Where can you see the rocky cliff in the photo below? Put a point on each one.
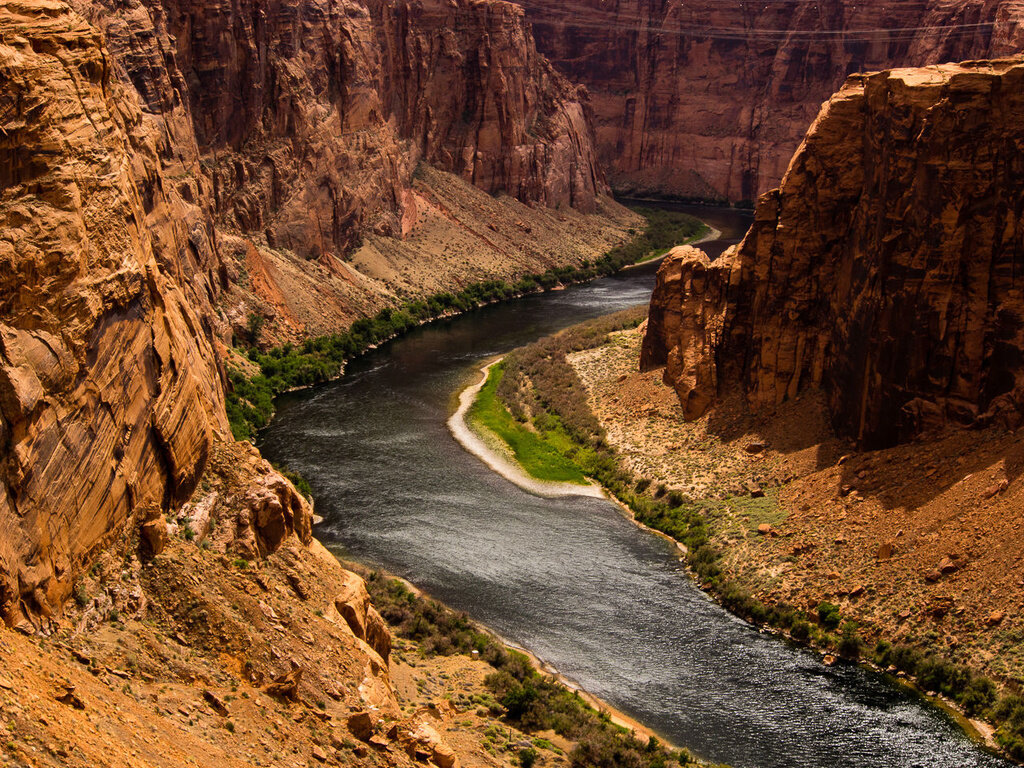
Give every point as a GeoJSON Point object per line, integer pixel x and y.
{"type": "Point", "coordinates": [709, 98]}
{"type": "Point", "coordinates": [110, 390]}
{"type": "Point", "coordinates": [886, 270]}
{"type": "Point", "coordinates": [168, 167]}
{"type": "Point", "coordinates": [309, 118]}
{"type": "Point", "coordinates": [348, 156]}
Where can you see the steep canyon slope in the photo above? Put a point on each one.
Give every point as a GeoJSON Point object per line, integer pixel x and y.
{"type": "Point", "coordinates": [167, 169]}
{"type": "Point", "coordinates": [886, 270]}
{"type": "Point", "coordinates": [709, 98]}
{"type": "Point", "coordinates": [323, 136]}
{"type": "Point", "coordinates": [110, 389]}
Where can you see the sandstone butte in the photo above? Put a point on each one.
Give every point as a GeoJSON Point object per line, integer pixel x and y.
{"type": "Point", "coordinates": [885, 270]}
{"type": "Point", "coordinates": [709, 98]}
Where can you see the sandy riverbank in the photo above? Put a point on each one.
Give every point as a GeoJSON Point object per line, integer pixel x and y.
{"type": "Point", "coordinates": [511, 471]}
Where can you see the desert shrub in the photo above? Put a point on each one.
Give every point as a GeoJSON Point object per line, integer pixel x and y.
{"type": "Point", "coordinates": [850, 644]}
{"type": "Point", "coordinates": [828, 615]}
{"type": "Point", "coordinates": [527, 757]}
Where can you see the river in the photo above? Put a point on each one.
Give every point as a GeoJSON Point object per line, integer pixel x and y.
{"type": "Point", "coordinates": [572, 579]}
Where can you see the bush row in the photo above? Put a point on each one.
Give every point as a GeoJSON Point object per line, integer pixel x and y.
{"type": "Point", "coordinates": [250, 401]}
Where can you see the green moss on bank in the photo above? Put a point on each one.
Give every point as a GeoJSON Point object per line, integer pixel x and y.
{"type": "Point", "coordinates": [250, 400]}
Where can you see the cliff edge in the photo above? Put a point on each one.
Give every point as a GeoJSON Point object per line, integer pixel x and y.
{"type": "Point", "coordinates": [885, 270]}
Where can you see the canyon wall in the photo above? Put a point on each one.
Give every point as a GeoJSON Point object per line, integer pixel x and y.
{"type": "Point", "coordinates": [110, 389]}
{"type": "Point", "coordinates": [709, 98]}
{"type": "Point", "coordinates": [886, 269]}
{"type": "Point", "coordinates": [309, 118]}
{"type": "Point", "coordinates": [168, 167]}
{"type": "Point", "coordinates": [352, 155]}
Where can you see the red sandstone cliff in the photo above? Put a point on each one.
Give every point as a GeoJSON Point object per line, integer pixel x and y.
{"type": "Point", "coordinates": [709, 98]}
{"type": "Point", "coordinates": [886, 270]}
{"type": "Point", "coordinates": [309, 118]}
{"type": "Point", "coordinates": [168, 165]}
{"type": "Point", "coordinates": [110, 390]}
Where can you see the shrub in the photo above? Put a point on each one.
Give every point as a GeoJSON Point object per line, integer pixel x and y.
{"type": "Point", "coordinates": [801, 631]}
{"type": "Point", "coordinates": [850, 643]}
{"type": "Point", "coordinates": [527, 757]}
{"type": "Point", "coordinates": [828, 615]}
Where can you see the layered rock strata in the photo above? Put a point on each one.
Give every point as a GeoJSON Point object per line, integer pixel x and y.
{"type": "Point", "coordinates": [110, 389]}
{"type": "Point", "coordinates": [709, 98]}
{"type": "Point", "coordinates": [168, 167]}
{"type": "Point", "coordinates": [310, 118]}
{"type": "Point", "coordinates": [886, 270]}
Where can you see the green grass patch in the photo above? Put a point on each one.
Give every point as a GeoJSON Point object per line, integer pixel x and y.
{"type": "Point", "coordinates": [538, 453]}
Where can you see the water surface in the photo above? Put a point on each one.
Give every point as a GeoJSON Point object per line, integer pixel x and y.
{"type": "Point", "coordinates": [572, 579]}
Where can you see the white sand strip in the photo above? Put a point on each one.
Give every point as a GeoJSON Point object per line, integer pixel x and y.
{"type": "Point", "coordinates": [507, 469]}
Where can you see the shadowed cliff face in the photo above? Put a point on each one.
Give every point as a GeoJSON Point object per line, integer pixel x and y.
{"type": "Point", "coordinates": [887, 269]}
{"type": "Point", "coordinates": [709, 98]}
{"type": "Point", "coordinates": [110, 390]}
{"type": "Point", "coordinates": [310, 117]}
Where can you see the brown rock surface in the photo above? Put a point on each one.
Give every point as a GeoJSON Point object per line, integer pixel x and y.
{"type": "Point", "coordinates": [886, 269]}
{"type": "Point", "coordinates": [693, 319]}
{"type": "Point", "coordinates": [110, 389]}
{"type": "Point", "coordinates": [709, 98]}
{"type": "Point", "coordinates": [309, 118]}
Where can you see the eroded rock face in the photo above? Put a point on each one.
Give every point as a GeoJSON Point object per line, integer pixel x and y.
{"type": "Point", "coordinates": [310, 117]}
{"type": "Point", "coordinates": [469, 91]}
{"type": "Point", "coordinates": [709, 98]}
{"type": "Point", "coordinates": [685, 325]}
{"type": "Point", "coordinates": [110, 389]}
{"type": "Point", "coordinates": [887, 269]}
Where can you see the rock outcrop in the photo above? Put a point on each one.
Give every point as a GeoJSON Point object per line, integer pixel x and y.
{"type": "Point", "coordinates": [110, 388]}
{"type": "Point", "coordinates": [709, 98]}
{"type": "Point", "coordinates": [694, 323]}
{"type": "Point", "coordinates": [887, 268]}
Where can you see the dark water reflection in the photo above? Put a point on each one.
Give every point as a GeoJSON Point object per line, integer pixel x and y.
{"type": "Point", "coordinates": [572, 579]}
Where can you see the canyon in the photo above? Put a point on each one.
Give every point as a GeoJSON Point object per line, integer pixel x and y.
{"type": "Point", "coordinates": [710, 99]}
{"type": "Point", "coordinates": [161, 168]}
{"type": "Point", "coordinates": [167, 172]}
{"type": "Point", "coordinates": [174, 174]}
{"type": "Point", "coordinates": [348, 156]}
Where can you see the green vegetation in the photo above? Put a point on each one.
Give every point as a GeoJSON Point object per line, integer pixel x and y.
{"type": "Point", "coordinates": [250, 400]}
{"type": "Point", "coordinates": [520, 695]}
{"type": "Point", "coordinates": [535, 451]}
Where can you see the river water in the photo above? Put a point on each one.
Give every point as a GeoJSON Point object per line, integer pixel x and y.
{"type": "Point", "coordinates": [573, 580]}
